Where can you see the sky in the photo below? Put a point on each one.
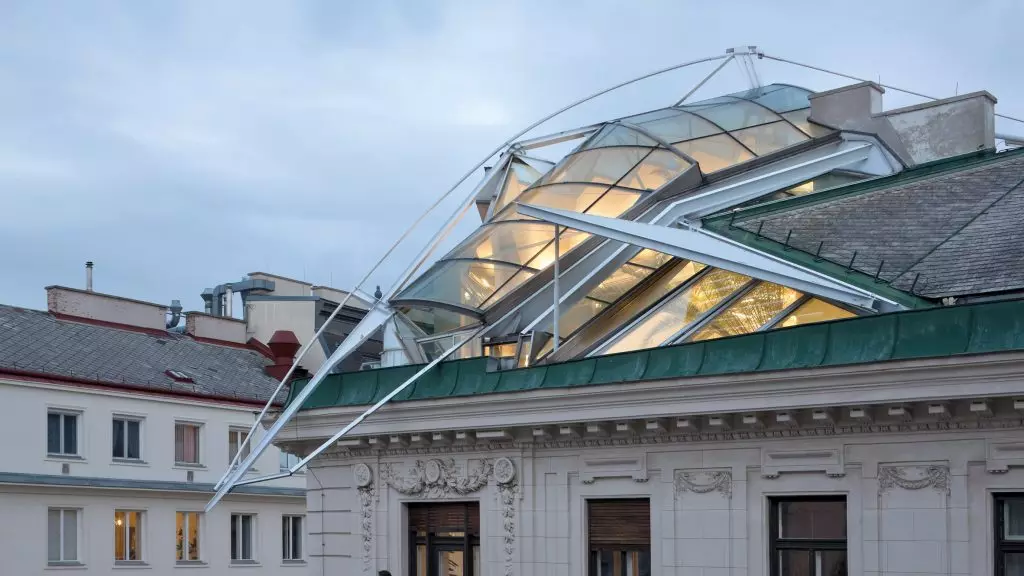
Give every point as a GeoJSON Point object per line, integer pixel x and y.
{"type": "Point", "coordinates": [180, 145]}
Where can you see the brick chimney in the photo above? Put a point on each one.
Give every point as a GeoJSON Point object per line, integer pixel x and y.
{"type": "Point", "coordinates": [284, 345]}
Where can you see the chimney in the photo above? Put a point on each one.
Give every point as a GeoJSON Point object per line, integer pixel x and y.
{"type": "Point", "coordinates": [228, 297]}
{"type": "Point", "coordinates": [284, 345]}
{"type": "Point", "coordinates": [209, 327]}
{"type": "Point", "coordinates": [88, 276]}
{"type": "Point", "coordinates": [89, 305]}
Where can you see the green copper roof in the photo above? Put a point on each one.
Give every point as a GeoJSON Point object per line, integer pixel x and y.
{"type": "Point", "coordinates": [928, 333]}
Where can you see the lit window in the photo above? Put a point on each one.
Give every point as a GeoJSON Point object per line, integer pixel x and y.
{"type": "Point", "coordinates": [62, 536]}
{"type": "Point", "coordinates": [242, 528]}
{"type": "Point", "coordinates": [62, 433]}
{"type": "Point", "coordinates": [808, 536]}
{"type": "Point", "coordinates": [187, 537]}
{"type": "Point", "coordinates": [1009, 510]}
{"type": "Point", "coordinates": [127, 438]}
{"type": "Point", "coordinates": [127, 536]}
{"type": "Point", "coordinates": [236, 442]}
{"type": "Point", "coordinates": [186, 443]}
{"type": "Point", "coordinates": [291, 537]}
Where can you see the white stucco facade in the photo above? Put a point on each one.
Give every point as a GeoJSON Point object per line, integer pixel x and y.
{"type": "Point", "coordinates": [95, 485]}
{"type": "Point", "coordinates": [918, 450]}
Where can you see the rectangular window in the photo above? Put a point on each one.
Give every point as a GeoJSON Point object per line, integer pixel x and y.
{"type": "Point", "coordinates": [236, 437]}
{"type": "Point", "coordinates": [61, 433]}
{"type": "Point", "coordinates": [808, 536]}
{"type": "Point", "coordinates": [1009, 509]}
{"type": "Point", "coordinates": [62, 536]}
{"type": "Point", "coordinates": [187, 533]}
{"type": "Point", "coordinates": [291, 537]}
{"type": "Point", "coordinates": [242, 528]}
{"type": "Point", "coordinates": [186, 443]}
{"type": "Point", "coordinates": [444, 538]}
{"type": "Point", "coordinates": [127, 438]}
{"type": "Point", "coordinates": [127, 536]}
{"type": "Point", "coordinates": [619, 536]}
{"type": "Point", "coordinates": [286, 461]}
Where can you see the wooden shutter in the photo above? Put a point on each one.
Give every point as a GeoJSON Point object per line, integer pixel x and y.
{"type": "Point", "coordinates": [445, 517]}
{"type": "Point", "coordinates": [621, 523]}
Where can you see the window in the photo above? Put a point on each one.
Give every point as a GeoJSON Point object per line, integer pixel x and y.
{"type": "Point", "coordinates": [619, 537]}
{"type": "Point", "coordinates": [286, 461]}
{"type": "Point", "coordinates": [186, 443]}
{"type": "Point", "coordinates": [1009, 512]}
{"type": "Point", "coordinates": [187, 537]}
{"type": "Point", "coordinates": [444, 538]}
{"type": "Point", "coordinates": [61, 433]}
{"type": "Point", "coordinates": [62, 536]}
{"type": "Point", "coordinates": [242, 528]}
{"type": "Point", "coordinates": [808, 536]}
{"type": "Point", "coordinates": [127, 536]}
{"type": "Point", "coordinates": [236, 441]}
{"type": "Point", "coordinates": [291, 538]}
{"type": "Point", "coordinates": [127, 438]}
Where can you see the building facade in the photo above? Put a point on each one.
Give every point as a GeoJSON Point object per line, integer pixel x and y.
{"type": "Point", "coordinates": [116, 431]}
{"type": "Point", "coordinates": [784, 337]}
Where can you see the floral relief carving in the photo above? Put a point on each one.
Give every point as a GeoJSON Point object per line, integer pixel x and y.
{"type": "Point", "coordinates": [508, 489]}
{"type": "Point", "coordinates": [913, 478]}
{"type": "Point", "coordinates": [363, 477]}
{"type": "Point", "coordinates": [703, 482]}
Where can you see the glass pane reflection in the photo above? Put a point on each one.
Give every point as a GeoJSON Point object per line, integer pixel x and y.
{"type": "Point", "coordinates": [605, 165]}
{"type": "Point", "coordinates": [737, 114]}
{"type": "Point", "coordinates": [674, 125]}
{"type": "Point", "coordinates": [618, 135]}
{"type": "Point", "coordinates": [768, 138]}
{"type": "Point", "coordinates": [657, 168]}
{"type": "Point", "coordinates": [714, 152]}
{"type": "Point", "coordinates": [461, 283]}
{"type": "Point", "coordinates": [812, 311]}
{"type": "Point", "coordinates": [799, 119]}
{"type": "Point", "coordinates": [752, 311]}
{"type": "Point", "coordinates": [520, 176]}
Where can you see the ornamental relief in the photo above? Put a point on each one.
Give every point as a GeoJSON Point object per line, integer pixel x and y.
{"type": "Point", "coordinates": [913, 478]}
{"type": "Point", "coordinates": [703, 482]}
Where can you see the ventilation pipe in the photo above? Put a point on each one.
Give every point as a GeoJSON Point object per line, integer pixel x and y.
{"type": "Point", "coordinates": [175, 314]}
{"type": "Point", "coordinates": [88, 276]}
{"type": "Point", "coordinates": [228, 297]}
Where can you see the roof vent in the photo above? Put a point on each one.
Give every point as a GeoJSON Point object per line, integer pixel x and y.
{"type": "Point", "coordinates": [178, 376]}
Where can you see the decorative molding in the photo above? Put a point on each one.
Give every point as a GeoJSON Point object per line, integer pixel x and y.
{"type": "Point", "coordinates": [703, 482]}
{"type": "Point", "coordinates": [913, 478]}
{"type": "Point", "coordinates": [363, 477]}
{"type": "Point", "coordinates": [508, 489]}
{"type": "Point", "coordinates": [613, 465]}
{"type": "Point", "coordinates": [1003, 455]}
{"type": "Point", "coordinates": [826, 460]}
{"type": "Point", "coordinates": [436, 478]}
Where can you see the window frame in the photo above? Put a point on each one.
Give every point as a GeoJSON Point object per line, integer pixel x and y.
{"type": "Point", "coordinates": [777, 543]}
{"type": "Point", "coordinates": [186, 547]}
{"type": "Point", "coordinates": [199, 426]}
{"type": "Point", "coordinates": [286, 457]}
{"type": "Point", "coordinates": [141, 539]}
{"type": "Point", "coordinates": [624, 551]}
{"type": "Point", "coordinates": [126, 418]}
{"type": "Point", "coordinates": [236, 437]}
{"type": "Point", "coordinates": [288, 522]}
{"type": "Point", "coordinates": [235, 555]}
{"type": "Point", "coordinates": [65, 413]}
{"type": "Point", "coordinates": [62, 510]}
{"type": "Point", "coordinates": [1001, 545]}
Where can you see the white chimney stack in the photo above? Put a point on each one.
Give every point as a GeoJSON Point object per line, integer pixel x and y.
{"type": "Point", "coordinates": [228, 297]}
{"type": "Point", "coordinates": [88, 276]}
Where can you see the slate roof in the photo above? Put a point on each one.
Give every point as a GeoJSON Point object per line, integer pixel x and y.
{"type": "Point", "coordinates": [958, 225]}
{"type": "Point", "coordinates": [32, 340]}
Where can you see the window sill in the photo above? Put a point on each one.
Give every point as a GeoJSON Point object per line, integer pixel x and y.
{"type": "Point", "coordinates": [244, 564]}
{"type": "Point", "coordinates": [292, 563]}
{"type": "Point", "coordinates": [65, 457]}
{"type": "Point", "coordinates": [191, 564]}
{"type": "Point", "coordinates": [65, 566]}
{"type": "Point", "coordinates": [187, 466]}
{"type": "Point", "coordinates": [130, 564]}
{"type": "Point", "coordinates": [128, 462]}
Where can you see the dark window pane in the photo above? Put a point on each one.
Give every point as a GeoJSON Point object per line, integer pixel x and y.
{"type": "Point", "coordinates": [285, 539]}
{"type": "Point", "coordinates": [297, 538]}
{"type": "Point", "coordinates": [53, 433]}
{"type": "Point", "coordinates": [118, 439]}
{"type": "Point", "coordinates": [234, 537]}
{"type": "Point", "coordinates": [795, 563]}
{"type": "Point", "coordinates": [246, 537]}
{"type": "Point", "coordinates": [813, 519]}
{"type": "Point", "coordinates": [1013, 564]}
{"type": "Point", "coordinates": [133, 439]}
{"type": "Point", "coordinates": [70, 434]}
{"type": "Point", "coordinates": [53, 526]}
{"type": "Point", "coordinates": [1013, 511]}
{"type": "Point", "coordinates": [832, 562]}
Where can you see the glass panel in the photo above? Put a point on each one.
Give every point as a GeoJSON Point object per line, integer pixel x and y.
{"type": "Point", "coordinates": [70, 521]}
{"type": "Point", "coordinates": [614, 203]}
{"type": "Point", "coordinates": [134, 535]}
{"type": "Point", "coordinates": [53, 543]}
{"type": "Point", "coordinates": [246, 537]}
{"type": "Point", "coordinates": [461, 283]}
{"type": "Point", "coordinates": [297, 534]}
{"type": "Point", "coordinates": [421, 560]}
{"type": "Point", "coordinates": [809, 519]}
{"type": "Point", "coordinates": [824, 182]}
{"type": "Point", "coordinates": [784, 98]}
{"type": "Point", "coordinates": [604, 165]}
{"type": "Point", "coordinates": [650, 258]}
{"type": "Point", "coordinates": [768, 138]}
{"type": "Point", "coordinates": [1013, 564]}
{"type": "Point", "coordinates": [574, 197]}
{"type": "Point", "coordinates": [437, 320]}
{"type": "Point", "coordinates": [118, 434]}
{"type": "Point", "coordinates": [70, 434]}
{"type": "Point", "coordinates": [655, 170]}
{"type": "Point", "coordinates": [520, 176]}
{"type": "Point", "coordinates": [514, 242]}
{"type": "Point", "coordinates": [575, 316]}
{"type": "Point", "coordinates": [619, 282]}
{"type": "Point", "coordinates": [674, 125]}
{"type": "Point", "coordinates": [53, 433]}
{"type": "Point", "coordinates": [799, 119]}
{"type": "Point", "coordinates": [812, 311]}
{"type": "Point", "coordinates": [714, 152]}
{"type": "Point", "coordinates": [795, 563]}
{"type": "Point", "coordinates": [567, 240]}
{"type": "Point", "coordinates": [120, 546]}
{"type": "Point", "coordinates": [1013, 519]}
{"type": "Point", "coordinates": [753, 310]}
{"type": "Point", "coordinates": [680, 311]}
{"type": "Point", "coordinates": [618, 135]}
{"type": "Point", "coordinates": [831, 562]}
{"type": "Point", "coordinates": [450, 563]}
{"type": "Point", "coordinates": [476, 561]}
{"type": "Point", "coordinates": [134, 439]}
{"type": "Point", "coordinates": [737, 114]}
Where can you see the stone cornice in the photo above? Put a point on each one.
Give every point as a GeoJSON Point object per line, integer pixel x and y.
{"type": "Point", "coordinates": [988, 375]}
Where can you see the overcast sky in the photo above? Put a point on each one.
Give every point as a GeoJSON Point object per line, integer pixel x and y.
{"type": "Point", "coordinates": [181, 145]}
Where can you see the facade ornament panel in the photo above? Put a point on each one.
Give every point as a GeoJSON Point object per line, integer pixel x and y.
{"type": "Point", "coordinates": [363, 477]}
{"type": "Point", "coordinates": [703, 482]}
{"type": "Point", "coordinates": [913, 478]}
